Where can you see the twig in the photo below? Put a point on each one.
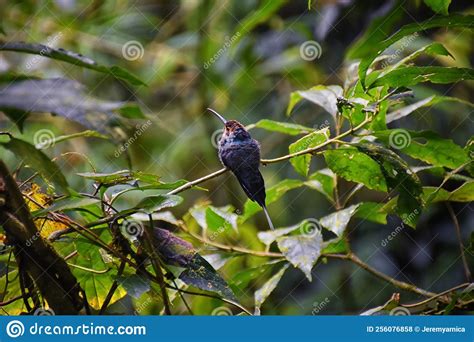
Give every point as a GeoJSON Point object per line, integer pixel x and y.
{"type": "Point", "coordinates": [461, 246]}
{"type": "Point", "coordinates": [197, 181]}
{"type": "Point", "coordinates": [461, 286]}
{"type": "Point", "coordinates": [397, 283]}
{"type": "Point", "coordinates": [114, 287]}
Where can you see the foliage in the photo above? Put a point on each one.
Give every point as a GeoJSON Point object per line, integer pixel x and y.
{"type": "Point", "coordinates": [96, 196]}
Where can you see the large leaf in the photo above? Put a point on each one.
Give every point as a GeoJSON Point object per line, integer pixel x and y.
{"type": "Point", "coordinates": [70, 57]}
{"type": "Point", "coordinates": [302, 250]}
{"type": "Point", "coordinates": [273, 194]}
{"type": "Point", "coordinates": [429, 147]}
{"type": "Point", "coordinates": [283, 127]}
{"type": "Point", "coordinates": [356, 166]}
{"type": "Point", "coordinates": [439, 6]}
{"type": "Point", "coordinates": [323, 96]}
{"type": "Point", "coordinates": [58, 96]}
{"type": "Point", "coordinates": [337, 221]}
{"type": "Point", "coordinates": [94, 275]}
{"type": "Point", "coordinates": [370, 49]}
{"type": "Point", "coordinates": [197, 271]}
{"type": "Point", "coordinates": [262, 293]}
{"type": "Point", "coordinates": [301, 163]}
{"type": "Point", "coordinates": [38, 161]}
{"type": "Point", "coordinates": [398, 177]}
{"type": "Point", "coordinates": [410, 75]}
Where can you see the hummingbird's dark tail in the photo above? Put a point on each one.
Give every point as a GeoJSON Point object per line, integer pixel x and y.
{"type": "Point", "coordinates": [270, 223]}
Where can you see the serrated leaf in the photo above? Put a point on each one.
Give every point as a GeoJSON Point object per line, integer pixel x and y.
{"type": "Point", "coordinates": [301, 163]}
{"type": "Point", "coordinates": [283, 127]}
{"type": "Point", "coordinates": [38, 161]}
{"type": "Point", "coordinates": [302, 250]}
{"type": "Point", "coordinates": [337, 221]}
{"type": "Point", "coordinates": [262, 293]}
{"type": "Point", "coordinates": [72, 58]}
{"type": "Point", "coordinates": [356, 166]}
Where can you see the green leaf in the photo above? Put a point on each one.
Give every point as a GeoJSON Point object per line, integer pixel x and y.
{"type": "Point", "coordinates": [68, 203]}
{"type": "Point", "coordinates": [197, 271]}
{"type": "Point", "coordinates": [323, 96]}
{"type": "Point", "coordinates": [371, 211]}
{"type": "Point", "coordinates": [398, 177]}
{"type": "Point", "coordinates": [213, 219]}
{"type": "Point", "coordinates": [301, 163]}
{"type": "Point", "coordinates": [97, 282]}
{"type": "Point", "coordinates": [242, 279]}
{"type": "Point", "coordinates": [156, 203]}
{"type": "Point", "coordinates": [305, 226]}
{"type": "Point", "coordinates": [439, 6]}
{"type": "Point", "coordinates": [370, 49]}
{"type": "Point", "coordinates": [283, 127]}
{"type": "Point", "coordinates": [323, 181]}
{"type": "Point", "coordinates": [122, 176]}
{"type": "Point", "coordinates": [410, 75]}
{"type": "Point", "coordinates": [59, 96]}
{"type": "Point", "coordinates": [134, 284]}
{"type": "Point", "coordinates": [302, 250]}
{"type": "Point", "coordinates": [427, 146]}
{"type": "Point", "coordinates": [337, 221]}
{"type": "Point", "coordinates": [273, 194]}
{"type": "Point", "coordinates": [356, 166]}
{"type": "Point", "coordinates": [262, 293]}
{"type": "Point", "coordinates": [72, 58]}
{"type": "Point", "coordinates": [38, 161]}
{"type": "Point", "coordinates": [335, 246]}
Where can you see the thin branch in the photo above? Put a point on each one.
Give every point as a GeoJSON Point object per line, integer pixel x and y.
{"type": "Point", "coordinates": [189, 185]}
{"type": "Point", "coordinates": [461, 246]}
{"type": "Point", "coordinates": [114, 287]}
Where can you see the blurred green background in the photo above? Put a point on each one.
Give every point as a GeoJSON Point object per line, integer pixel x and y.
{"type": "Point", "coordinates": [243, 59]}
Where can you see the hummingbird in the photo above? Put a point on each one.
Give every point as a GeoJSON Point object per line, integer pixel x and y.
{"type": "Point", "coordinates": [241, 154]}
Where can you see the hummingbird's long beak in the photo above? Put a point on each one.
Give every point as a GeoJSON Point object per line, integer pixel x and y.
{"type": "Point", "coordinates": [218, 115]}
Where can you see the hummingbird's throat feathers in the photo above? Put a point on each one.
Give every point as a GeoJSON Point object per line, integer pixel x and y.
{"type": "Point", "coordinates": [233, 130]}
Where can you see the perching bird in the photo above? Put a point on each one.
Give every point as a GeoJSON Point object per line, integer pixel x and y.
{"type": "Point", "coordinates": [241, 155]}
